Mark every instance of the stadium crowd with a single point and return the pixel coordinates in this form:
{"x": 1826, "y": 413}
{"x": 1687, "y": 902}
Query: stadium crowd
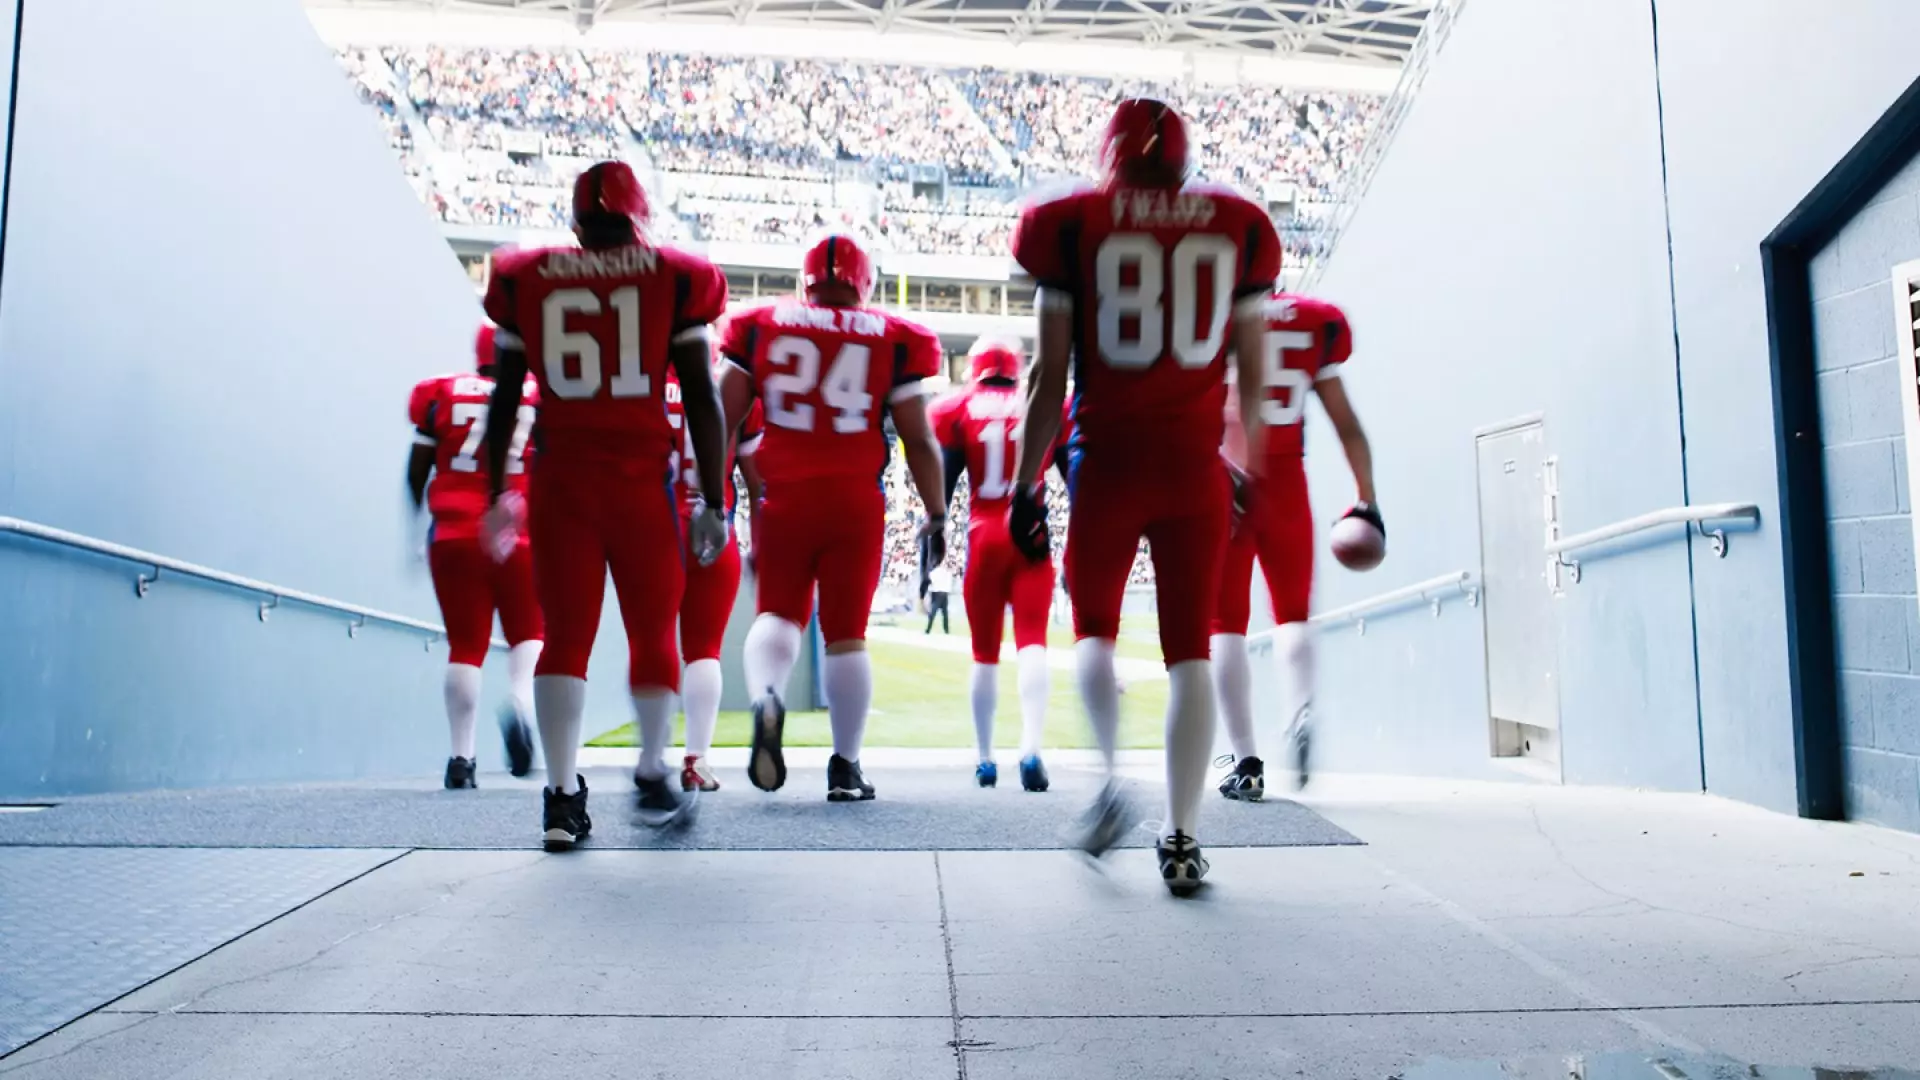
{"x": 527, "y": 120}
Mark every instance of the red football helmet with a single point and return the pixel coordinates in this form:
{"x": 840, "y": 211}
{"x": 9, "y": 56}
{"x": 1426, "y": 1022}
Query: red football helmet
{"x": 483, "y": 347}
{"x": 610, "y": 188}
{"x": 1145, "y": 132}
{"x": 838, "y": 257}
{"x": 993, "y": 359}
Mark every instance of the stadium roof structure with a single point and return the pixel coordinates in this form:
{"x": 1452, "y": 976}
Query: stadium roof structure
{"x": 1376, "y": 33}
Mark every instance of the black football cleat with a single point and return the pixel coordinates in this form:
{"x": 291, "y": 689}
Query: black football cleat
{"x": 518, "y": 735}
{"x": 658, "y": 805}
{"x": 1181, "y": 865}
{"x": 460, "y": 772}
{"x": 844, "y": 782}
{"x": 564, "y": 817}
{"x": 1247, "y": 782}
{"x": 1106, "y": 821}
{"x": 767, "y": 765}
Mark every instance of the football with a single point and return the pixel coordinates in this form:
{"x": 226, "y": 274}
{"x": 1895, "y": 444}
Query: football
{"x": 1357, "y": 543}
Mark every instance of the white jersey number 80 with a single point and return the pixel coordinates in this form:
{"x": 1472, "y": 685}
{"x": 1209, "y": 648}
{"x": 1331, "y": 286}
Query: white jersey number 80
{"x": 1145, "y": 300}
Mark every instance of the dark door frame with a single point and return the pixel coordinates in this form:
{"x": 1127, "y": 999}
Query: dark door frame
{"x": 1785, "y": 254}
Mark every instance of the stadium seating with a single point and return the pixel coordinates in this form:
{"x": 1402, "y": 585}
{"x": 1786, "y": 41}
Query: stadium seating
{"x": 756, "y": 149}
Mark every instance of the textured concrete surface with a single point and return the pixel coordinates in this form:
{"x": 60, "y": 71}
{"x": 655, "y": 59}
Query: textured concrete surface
{"x": 918, "y": 810}
{"x": 79, "y": 927}
{"x": 1482, "y": 931}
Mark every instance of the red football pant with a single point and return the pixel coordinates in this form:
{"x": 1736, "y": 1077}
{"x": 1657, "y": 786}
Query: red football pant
{"x": 828, "y": 533}
{"x": 708, "y": 602}
{"x": 585, "y": 523}
{"x": 1182, "y": 513}
{"x": 1279, "y": 531}
{"x": 998, "y": 575}
{"x": 471, "y": 587}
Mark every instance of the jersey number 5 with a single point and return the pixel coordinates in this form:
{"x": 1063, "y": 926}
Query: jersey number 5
{"x": 1145, "y": 301}
{"x": 1281, "y": 377}
{"x": 796, "y": 371}
{"x": 563, "y": 349}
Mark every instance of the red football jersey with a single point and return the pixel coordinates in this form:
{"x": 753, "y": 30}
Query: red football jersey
{"x": 1154, "y": 278}
{"x": 687, "y": 469}
{"x": 449, "y": 413}
{"x": 825, "y": 375}
{"x": 1307, "y": 341}
{"x": 986, "y": 422}
{"x": 596, "y": 327}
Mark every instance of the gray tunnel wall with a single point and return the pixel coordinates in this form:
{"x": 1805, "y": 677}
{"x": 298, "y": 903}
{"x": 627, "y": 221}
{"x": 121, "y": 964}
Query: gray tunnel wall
{"x": 218, "y": 289}
{"x": 1511, "y": 258}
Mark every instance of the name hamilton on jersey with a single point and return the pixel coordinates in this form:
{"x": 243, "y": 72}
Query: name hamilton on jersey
{"x": 841, "y": 320}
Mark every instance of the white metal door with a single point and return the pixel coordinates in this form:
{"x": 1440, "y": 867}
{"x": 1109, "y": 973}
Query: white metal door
{"x": 1522, "y": 642}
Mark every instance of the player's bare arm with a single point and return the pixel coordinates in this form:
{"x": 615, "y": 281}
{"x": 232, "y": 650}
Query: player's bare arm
{"x": 1046, "y": 387}
{"x": 503, "y": 409}
{"x": 923, "y": 461}
{"x": 736, "y": 395}
{"x": 1249, "y": 348}
{"x": 1353, "y": 438}
{"x": 705, "y": 418}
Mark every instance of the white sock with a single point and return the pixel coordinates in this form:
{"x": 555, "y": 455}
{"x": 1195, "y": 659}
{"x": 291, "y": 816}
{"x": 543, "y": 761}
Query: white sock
{"x": 1033, "y": 698}
{"x": 1233, "y": 691}
{"x": 520, "y": 663}
{"x": 986, "y": 695}
{"x": 769, "y": 653}
{"x": 847, "y": 679}
{"x": 559, "y": 703}
{"x": 1094, "y": 659}
{"x": 1293, "y": 649}
{"x": 700, "y": 695}
{"x": 463, "y": 705}
{"x": 1189, "y": 742}
{"x": 653, "y": 715}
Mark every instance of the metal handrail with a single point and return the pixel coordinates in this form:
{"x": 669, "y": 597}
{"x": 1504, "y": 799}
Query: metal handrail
{"x": 1691, "y": 516}
{"x": 274, "y": 593}
{"x": 1433, "y": 591}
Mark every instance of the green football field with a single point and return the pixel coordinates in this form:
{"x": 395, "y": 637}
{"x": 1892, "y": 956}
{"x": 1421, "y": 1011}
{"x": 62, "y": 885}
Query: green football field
{"x": 920, "y": 698}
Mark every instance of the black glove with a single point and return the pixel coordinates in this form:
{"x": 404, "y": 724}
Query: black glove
{"x": 1027, "y": 523}
{"x": 1368, "y": 513}
{"x": 934, "y": 533}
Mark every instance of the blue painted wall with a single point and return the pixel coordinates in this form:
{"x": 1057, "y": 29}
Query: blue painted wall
{"x": 1875, "y": 611}
{"x": 1512, "y": 257}
{"x": 1759, "y": 108}
{"x": 218, "y": 289}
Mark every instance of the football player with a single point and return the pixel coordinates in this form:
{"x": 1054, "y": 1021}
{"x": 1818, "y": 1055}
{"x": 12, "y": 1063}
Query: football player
{"x": 1146, "y": 284}
{"x": 449, "y": 414}
{"x": 979, "y": 433}
{"x": 708, "y": 601}
{"x": 1307, "y": 343}
{"x": 599, "y": 325}
{"x": 828, "y": 370}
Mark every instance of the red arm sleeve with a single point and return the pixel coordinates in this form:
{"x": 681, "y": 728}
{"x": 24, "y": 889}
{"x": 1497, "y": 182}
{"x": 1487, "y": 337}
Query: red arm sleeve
{"x": 703, "y": 299}
{"x": 1339, "y": 340}
{"x": 420, "y": 405}
{"x": 945, "y": 415}
{"x": 1259, "y": 258}
{"x": 751, "y": 429}
{"x": 737, "y": 339}
{"x": 917, "y": 357}
{"x": 499, "y": 297}
{"x": 1038, "y": 246}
